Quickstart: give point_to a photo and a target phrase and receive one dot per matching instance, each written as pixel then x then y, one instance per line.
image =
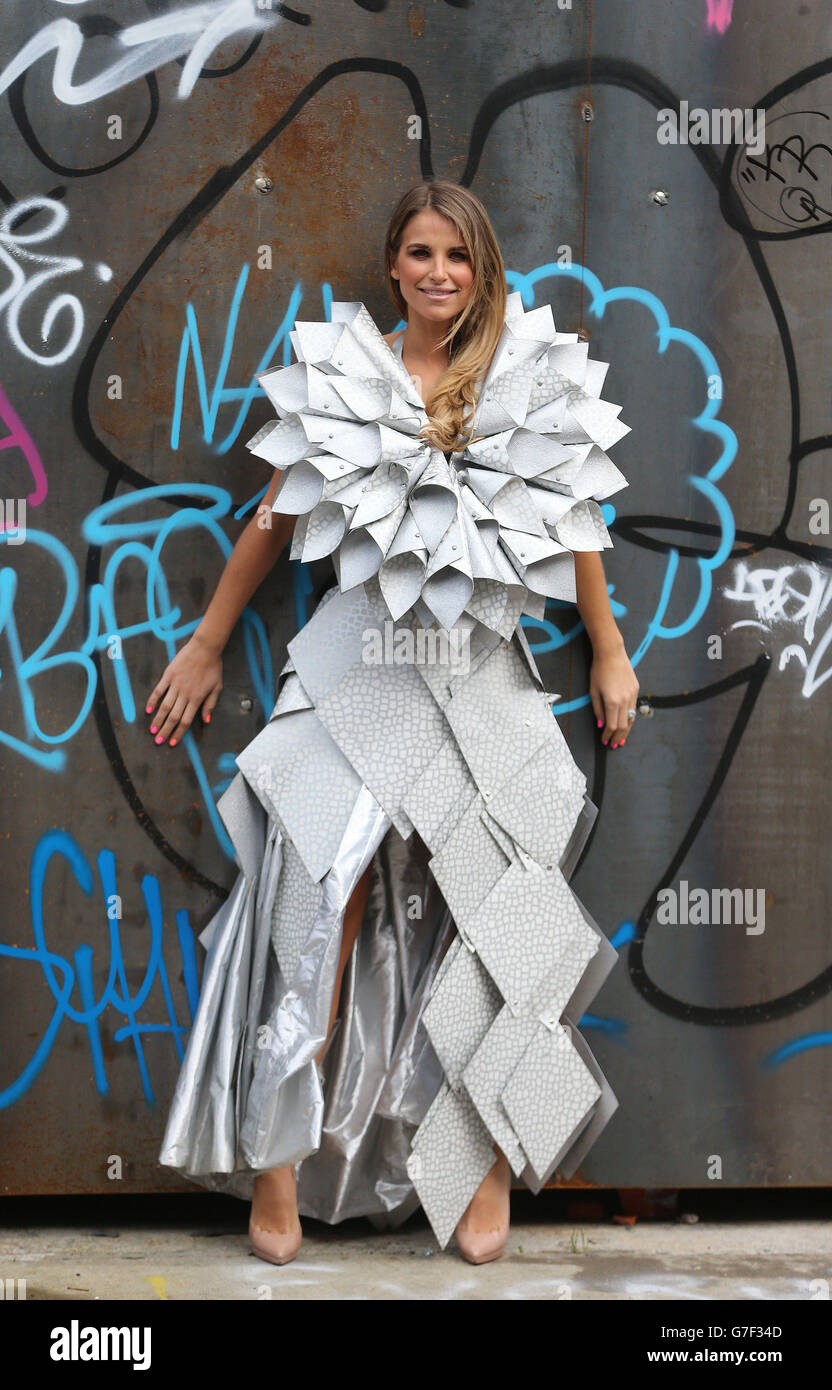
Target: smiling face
pixel 433 267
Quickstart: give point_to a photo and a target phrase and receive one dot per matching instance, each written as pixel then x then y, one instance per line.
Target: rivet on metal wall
pixel 587 113
pixel 659 196
pixel 263 183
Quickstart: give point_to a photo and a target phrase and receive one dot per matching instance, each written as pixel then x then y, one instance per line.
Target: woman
pixel 384 1016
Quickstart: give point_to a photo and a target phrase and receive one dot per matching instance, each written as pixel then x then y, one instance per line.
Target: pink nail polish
pixel 153 728
pixel 158 739
pixel 605 741
pixel 173 743
pixel 600 724
pixel 148 709
pixel 615 745
pixel 207 719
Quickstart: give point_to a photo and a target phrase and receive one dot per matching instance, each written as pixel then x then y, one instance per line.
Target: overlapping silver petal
pixel 489 531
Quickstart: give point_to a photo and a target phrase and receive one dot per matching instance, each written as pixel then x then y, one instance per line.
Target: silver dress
pixel 412 732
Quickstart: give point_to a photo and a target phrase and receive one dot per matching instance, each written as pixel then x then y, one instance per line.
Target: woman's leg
pixel 274 1205
pixel 353 917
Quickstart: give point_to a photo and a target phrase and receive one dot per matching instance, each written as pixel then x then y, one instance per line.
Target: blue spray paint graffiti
pixel 62 975
pixel 101 528
pixel 706 421
pixel 116 992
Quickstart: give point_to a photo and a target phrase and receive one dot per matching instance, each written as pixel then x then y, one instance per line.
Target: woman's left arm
pixel 612 681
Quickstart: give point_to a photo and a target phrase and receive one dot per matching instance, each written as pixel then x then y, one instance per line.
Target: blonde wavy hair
pixel 475 332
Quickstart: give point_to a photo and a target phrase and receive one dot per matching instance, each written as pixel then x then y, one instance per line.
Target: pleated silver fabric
pixel 250 1095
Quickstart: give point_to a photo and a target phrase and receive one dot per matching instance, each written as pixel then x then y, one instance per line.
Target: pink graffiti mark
pixel 719 15
pixel 19 437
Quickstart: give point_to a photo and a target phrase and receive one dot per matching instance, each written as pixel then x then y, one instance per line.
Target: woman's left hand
pixel 613 689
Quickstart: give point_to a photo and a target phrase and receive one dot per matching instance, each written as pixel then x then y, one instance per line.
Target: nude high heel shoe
pixel 478 1247
pixel 274 1246
pixel 278 1247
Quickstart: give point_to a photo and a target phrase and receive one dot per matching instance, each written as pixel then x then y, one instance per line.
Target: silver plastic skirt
pixel 456 1026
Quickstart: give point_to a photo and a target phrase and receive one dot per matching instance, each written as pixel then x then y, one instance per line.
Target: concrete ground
pixel 197 1248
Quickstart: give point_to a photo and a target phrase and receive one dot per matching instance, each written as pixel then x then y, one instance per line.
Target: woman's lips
pixel 438 294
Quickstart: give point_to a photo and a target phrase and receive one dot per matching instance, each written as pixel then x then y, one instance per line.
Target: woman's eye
pixel 460 255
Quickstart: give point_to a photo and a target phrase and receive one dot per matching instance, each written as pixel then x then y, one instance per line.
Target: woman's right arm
pixel 194 677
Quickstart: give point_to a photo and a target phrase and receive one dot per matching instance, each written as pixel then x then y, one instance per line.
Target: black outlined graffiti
pixel 636 529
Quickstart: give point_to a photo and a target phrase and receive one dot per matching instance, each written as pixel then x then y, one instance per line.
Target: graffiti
pixel 196 31
pixel 706 421
pixel 63 976
pixel 788 181
pixel 146 510
pixel 718 17
pixel 796 595
pixel 14 247
pixel 104 526
pixel 795 1047
pixel 191 348
pixel 18 437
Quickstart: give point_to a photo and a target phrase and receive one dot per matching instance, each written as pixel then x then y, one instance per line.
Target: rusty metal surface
pixel 715 1038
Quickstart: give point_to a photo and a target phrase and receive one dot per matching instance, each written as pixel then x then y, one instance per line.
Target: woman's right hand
pixel 191 679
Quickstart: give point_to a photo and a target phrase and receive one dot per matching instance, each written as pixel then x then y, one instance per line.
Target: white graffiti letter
pixel 13 248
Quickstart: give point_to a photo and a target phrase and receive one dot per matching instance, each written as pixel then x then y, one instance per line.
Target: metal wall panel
pixel 136 303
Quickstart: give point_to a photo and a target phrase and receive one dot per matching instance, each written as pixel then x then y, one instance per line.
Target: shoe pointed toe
pixel 479 1249
pixel 278 1247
